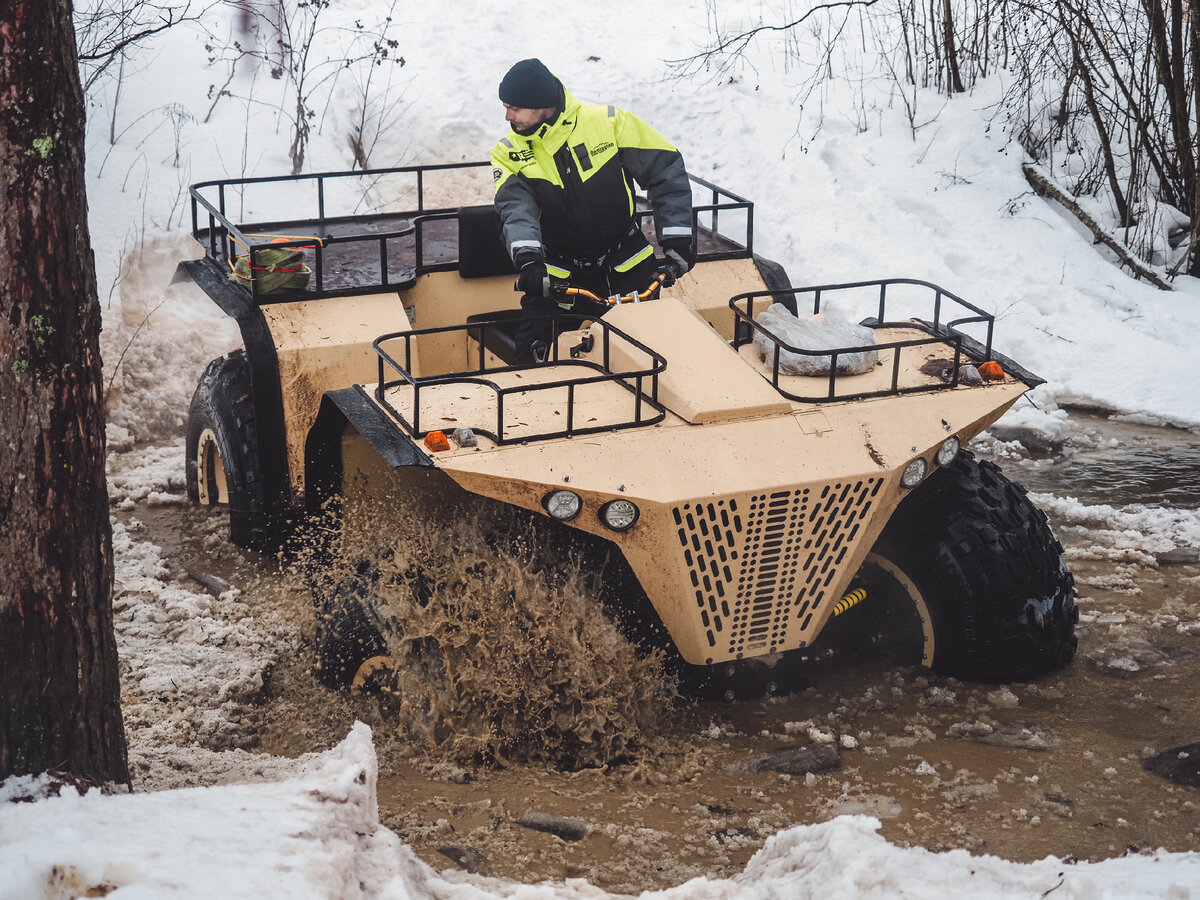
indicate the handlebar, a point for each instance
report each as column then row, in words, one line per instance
column 653, row 288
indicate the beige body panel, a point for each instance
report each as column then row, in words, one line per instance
column 709, row 293
column 756, row 511
column 325, row 345
column 732, row 514
column 703, row 382
column 752, row 524
column 439, row 299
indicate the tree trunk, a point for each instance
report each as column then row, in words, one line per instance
column 1193, row 267
column 59, row 690
column 955, row 78
column 1110, row 165
column 1166, row 39
column 1044, row 187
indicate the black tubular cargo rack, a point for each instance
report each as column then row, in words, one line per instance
column 374, row 252
column 641, row 383
column 942, row 330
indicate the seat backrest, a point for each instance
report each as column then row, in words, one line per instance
column 481, row 250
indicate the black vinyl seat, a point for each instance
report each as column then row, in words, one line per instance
column 481, row 254
column 481, row 250
column 500, row 334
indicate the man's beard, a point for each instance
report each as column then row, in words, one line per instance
column 533, row 129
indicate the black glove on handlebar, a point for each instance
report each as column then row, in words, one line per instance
column 533, row 279
column 679, row 256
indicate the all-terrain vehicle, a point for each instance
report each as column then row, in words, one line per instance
column 752, row 507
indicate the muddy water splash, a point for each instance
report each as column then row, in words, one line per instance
column 503, row 652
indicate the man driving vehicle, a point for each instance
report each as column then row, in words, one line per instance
column 565, row 199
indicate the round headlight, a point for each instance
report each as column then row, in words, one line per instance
column 913, row 473
column 619, row 515
column 562, row 505
column 947, row 451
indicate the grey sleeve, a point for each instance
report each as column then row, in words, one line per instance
column 518, row 209
column 662, row 175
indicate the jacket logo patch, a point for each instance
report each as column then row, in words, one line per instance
column 600, row 148
column 521, row 155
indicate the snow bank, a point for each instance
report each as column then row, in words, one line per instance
column 847, row 858
column 314, row 835
column 1138, row 532
column 317, row 834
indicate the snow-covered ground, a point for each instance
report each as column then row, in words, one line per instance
column 844, row 189
column 316, row 834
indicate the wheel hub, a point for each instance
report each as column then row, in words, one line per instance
column 210, row 470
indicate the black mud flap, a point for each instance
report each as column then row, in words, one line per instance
column 323, row 449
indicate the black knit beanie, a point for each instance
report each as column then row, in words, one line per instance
column 530, row 85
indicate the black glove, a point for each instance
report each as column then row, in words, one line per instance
column 533, row 280
column 679, row 256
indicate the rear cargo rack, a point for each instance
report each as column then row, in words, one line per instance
column 351, row 252
column 963, row 347
column 623, row 380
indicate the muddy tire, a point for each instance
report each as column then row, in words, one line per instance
column 346, row 637
column 969, row 567
column 222, row 448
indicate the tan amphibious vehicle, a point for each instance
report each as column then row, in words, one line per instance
column 752, row 506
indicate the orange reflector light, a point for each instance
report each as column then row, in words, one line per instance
column 991, row 371
column 435, row 441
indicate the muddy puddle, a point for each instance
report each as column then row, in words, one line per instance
column 1020, row 771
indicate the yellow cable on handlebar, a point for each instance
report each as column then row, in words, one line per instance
column 632, row 297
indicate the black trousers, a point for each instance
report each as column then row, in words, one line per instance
column 601, row 281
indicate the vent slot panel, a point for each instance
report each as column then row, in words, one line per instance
column 710, row 534
column 761, row 566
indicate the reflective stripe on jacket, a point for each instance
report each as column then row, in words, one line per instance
column 566, row 188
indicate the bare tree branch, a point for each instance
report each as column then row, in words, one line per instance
column 127, row 41
column 737, row 43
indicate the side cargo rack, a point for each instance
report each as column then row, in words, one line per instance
column 608, row 382
column 946, row 341
column 374, row 231
column 348, row 250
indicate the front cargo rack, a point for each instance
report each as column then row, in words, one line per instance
column 944, row 336
column 613, row 387
column 374, row 231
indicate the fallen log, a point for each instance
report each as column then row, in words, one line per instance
column 1047, row 188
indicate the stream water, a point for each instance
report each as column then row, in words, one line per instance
column 1113, row 462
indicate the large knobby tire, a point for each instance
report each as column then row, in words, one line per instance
column 346, row 634
column 969, row 567
column 223, row 464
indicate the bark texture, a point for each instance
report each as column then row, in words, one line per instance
column 59, row 690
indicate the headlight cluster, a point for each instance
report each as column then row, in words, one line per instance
column 618, row 515
column 562, row 505
column 915, row 472
column 947, row 451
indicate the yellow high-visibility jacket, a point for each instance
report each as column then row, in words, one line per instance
column 566, row 188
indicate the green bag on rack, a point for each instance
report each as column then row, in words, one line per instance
column 276, row 269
